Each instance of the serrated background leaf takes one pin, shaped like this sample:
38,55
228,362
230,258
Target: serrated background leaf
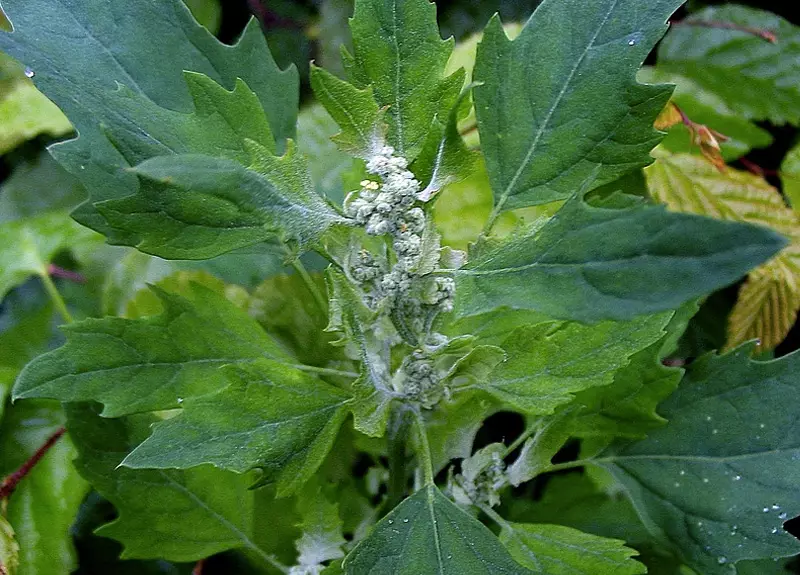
590,263
555,115
770,298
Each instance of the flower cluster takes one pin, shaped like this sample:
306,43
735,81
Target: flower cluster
481,485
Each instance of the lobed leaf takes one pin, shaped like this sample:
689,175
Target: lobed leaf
559,108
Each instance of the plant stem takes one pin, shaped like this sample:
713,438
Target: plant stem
570,465
55,297
760,32
530,430
494,516
399,426
312,287
326,371
425,449
10,483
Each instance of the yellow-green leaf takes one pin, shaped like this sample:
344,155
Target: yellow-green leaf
769,301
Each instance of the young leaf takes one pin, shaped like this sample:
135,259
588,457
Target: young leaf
719,480
172,515
757,78
322,539
81,54
272,417
427,533
549,362
28,245
768,302
559,108
150,363
559,550
590,263
355,110
42,508
399,52
197,207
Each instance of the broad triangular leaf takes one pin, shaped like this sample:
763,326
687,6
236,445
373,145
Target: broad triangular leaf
757,78
427,533
81,53
559,550
720,479
549,362
399,52
173,515
272,417
28,245
768,302
590,263
196,206
556,115
150,363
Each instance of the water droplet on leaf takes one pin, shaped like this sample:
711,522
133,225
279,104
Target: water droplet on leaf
29,73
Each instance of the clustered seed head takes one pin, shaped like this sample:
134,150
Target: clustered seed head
485,488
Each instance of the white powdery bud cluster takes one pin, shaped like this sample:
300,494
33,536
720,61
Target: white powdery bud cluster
417,379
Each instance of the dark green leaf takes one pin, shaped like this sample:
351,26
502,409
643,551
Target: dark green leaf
427,533
151,363
720,479
272,417
560,108
756,78
173,515
591,263
81,53
399,52
559,550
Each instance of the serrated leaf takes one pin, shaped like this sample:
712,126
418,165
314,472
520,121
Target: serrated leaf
81,53
549,362
427,533
559,550
720,479
28,245
173,515
354,110
397,50
151,363
322,539
43,506
768,303
556,116
272,417
590,263
197,207
25,113
740,66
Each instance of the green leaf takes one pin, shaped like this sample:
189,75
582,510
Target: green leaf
560,108
559,550
720,479
82,53
9,548
756,78
356,112
427,533
399,52
590,263
272,417
196,207
790,176
25,113
43,507
28,245
322,529
174,515
549,362
151,363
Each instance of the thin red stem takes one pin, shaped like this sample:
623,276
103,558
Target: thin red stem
58,272
198,568
10,483
756,169
761,33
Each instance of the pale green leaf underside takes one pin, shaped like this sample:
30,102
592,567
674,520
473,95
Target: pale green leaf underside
559,550
427,533
720,479
560,108
81,54
591,263
272,417
151,363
